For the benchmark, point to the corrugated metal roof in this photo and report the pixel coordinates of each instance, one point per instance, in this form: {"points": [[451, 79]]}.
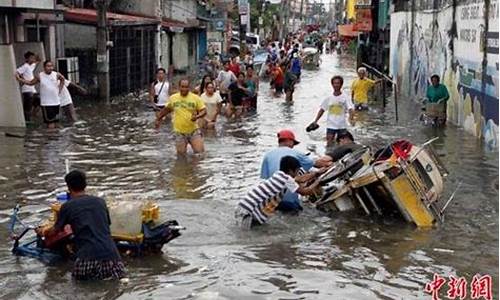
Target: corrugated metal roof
{"points": [[89, 16]]}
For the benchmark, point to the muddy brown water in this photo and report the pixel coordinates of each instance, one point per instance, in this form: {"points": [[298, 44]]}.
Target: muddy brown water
{"points": [[310, 256]]}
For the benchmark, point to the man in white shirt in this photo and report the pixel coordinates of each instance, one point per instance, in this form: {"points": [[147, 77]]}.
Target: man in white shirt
{"points": [[224, 80], [338, 107], [51, 84], [26, 72]]}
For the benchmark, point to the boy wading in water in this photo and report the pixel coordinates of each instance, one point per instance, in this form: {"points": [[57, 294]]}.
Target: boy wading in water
{"points": [[25, 72], [261, 202], [96, 254]]}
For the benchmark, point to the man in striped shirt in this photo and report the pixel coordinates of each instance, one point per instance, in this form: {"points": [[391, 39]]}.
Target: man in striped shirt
{"points": [[260, 203]]}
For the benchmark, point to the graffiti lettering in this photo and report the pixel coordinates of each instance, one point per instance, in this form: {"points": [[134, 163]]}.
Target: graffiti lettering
{"points": [[471, 12], [492, 42], [468, 35], [493, 10]]}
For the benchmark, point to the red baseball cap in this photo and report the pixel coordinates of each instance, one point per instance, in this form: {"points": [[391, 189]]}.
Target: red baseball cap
{"points": [[286, 134]]}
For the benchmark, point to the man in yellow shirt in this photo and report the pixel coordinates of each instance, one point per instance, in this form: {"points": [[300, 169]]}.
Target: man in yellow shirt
{"points": [[360, 88], [187, 108]]}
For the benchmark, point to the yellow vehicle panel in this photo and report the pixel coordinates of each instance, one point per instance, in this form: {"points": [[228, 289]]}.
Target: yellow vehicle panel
{"points": [[128, 238], [408, 199]]}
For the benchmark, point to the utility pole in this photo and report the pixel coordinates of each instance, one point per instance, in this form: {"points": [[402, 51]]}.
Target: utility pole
{"points": [[102, 50], [301, 12], [283, 19], [243, 19], [243, 37], [287, 16]]}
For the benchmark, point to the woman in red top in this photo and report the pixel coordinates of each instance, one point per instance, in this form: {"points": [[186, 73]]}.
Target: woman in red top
{"points": [[234, 67], [278, 79]]}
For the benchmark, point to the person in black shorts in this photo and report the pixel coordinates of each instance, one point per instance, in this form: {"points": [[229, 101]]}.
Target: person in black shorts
{"points": [[238, 92], [51, 84]]}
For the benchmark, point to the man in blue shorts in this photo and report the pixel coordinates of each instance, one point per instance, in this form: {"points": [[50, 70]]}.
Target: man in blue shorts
{"points": [[271, 164]]}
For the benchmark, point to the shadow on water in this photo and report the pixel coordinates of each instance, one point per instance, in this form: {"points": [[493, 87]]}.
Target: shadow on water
{"points": [[309, 256]]}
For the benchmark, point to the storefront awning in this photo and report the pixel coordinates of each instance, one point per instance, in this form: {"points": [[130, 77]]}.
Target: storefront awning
{"points": [[89, 16], [179, 26], [347, 30]]}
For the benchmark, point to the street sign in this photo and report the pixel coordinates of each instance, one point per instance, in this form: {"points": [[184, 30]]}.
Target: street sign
{"points": [[244, 19], [176, 29], [219, 25], [243, 6], [363, 20]]}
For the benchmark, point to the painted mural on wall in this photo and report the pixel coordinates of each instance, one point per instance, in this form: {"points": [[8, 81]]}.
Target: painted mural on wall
{"points": [[457, 56], [428, 53]]}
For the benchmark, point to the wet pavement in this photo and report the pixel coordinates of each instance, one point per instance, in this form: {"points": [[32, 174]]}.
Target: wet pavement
{"points": [[310, 256]]}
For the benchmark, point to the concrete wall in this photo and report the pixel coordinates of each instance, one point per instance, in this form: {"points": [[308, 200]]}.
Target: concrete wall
{"points": [[38, 4], [11, 112], [164, 50], [143, 7], [459, 43], [86, 36], [180, 10], [180, 51]]}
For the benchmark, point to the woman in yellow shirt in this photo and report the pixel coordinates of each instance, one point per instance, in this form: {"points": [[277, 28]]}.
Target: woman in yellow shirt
{"points": [[187, 108]]}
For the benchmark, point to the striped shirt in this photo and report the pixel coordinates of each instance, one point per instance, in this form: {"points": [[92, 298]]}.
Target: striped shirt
{"points": [[263, 199]]}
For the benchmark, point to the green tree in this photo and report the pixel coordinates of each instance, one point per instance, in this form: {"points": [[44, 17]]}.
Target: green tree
{"points": [[258, 8]]}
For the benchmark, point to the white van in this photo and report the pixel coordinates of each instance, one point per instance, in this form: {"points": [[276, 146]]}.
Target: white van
{"points": [[252, 39]]}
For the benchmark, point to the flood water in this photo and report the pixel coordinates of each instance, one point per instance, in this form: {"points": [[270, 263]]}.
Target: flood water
{"points": [[310, 256]]}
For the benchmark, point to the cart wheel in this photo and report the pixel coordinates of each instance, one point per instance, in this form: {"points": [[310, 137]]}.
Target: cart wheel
{"points": [[349, 163]]}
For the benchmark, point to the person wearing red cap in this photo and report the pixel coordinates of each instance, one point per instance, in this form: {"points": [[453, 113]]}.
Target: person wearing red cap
{"points": [[271, 164]]}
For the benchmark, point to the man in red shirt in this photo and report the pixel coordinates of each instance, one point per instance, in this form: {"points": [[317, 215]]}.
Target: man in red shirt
{"points": [[234, 66]]}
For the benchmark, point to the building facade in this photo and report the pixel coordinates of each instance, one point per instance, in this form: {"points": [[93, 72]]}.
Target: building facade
{"points": [[132, 56], [145, 35], [457, 40], [25, 26]]}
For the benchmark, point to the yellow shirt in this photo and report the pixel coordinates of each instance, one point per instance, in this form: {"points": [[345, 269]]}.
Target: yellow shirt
{"points": [[183, 109], [351, 9], [360, 88]]}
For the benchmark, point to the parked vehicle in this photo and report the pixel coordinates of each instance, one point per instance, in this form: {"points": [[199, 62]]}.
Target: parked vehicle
{"points": [[259, 61], [252, 40], [311, 58]]}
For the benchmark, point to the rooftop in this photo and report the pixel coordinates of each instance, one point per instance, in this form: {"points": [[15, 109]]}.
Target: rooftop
{"points": [[89, 16]]}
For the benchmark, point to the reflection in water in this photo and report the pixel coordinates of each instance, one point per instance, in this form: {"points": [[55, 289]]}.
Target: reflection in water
{"points": [[309, 256], [186, 180]]}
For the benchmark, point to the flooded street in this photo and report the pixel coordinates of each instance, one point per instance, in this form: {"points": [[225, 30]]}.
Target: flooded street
{"points": [[310, 256]]}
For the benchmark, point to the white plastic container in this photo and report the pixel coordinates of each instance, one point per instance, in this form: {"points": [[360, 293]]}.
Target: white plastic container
{"points": [[126, 217]]}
